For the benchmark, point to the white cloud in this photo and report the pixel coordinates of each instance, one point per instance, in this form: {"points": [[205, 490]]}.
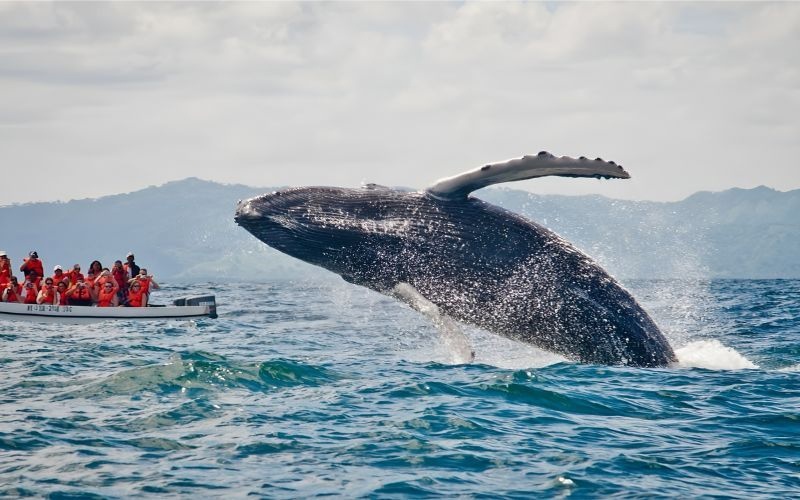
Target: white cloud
{"points": [[687, 96]]}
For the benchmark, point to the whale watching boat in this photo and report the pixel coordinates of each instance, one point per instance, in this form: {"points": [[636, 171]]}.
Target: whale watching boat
{"points": [[183, 308]]}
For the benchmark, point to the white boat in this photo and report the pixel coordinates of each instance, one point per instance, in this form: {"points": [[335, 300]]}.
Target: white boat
{"points": [[183, 308]]}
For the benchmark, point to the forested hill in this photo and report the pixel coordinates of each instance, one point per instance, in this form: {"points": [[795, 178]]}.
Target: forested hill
{"points": [[184, 230]]}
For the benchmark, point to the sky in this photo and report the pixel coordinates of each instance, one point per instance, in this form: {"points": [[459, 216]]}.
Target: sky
{"points": [[103, 98]]}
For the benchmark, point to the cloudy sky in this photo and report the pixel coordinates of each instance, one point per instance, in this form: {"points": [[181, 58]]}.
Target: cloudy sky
{"points": [[107, 98]]}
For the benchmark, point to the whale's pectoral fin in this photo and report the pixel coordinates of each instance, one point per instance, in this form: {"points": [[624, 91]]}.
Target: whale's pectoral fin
{"points": [[527, 167], [452, 335]]}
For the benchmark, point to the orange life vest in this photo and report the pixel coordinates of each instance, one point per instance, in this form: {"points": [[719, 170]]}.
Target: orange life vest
{"points": [[104, 298], [145, 283], [73, 276], [31, 264], [5, 273], [81, 293], [30, 295], [62, 299], [48, 294], [135, 299], [13, 293]]}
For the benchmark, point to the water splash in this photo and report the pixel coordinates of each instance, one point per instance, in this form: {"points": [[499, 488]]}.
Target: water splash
{"points": [[713, 355]]}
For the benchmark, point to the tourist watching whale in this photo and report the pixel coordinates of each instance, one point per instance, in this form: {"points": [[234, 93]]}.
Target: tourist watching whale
{"points": [[58, 275], [12, 292], [107, 294], [48, 294], [121, 277], [61, 288], [137, 297], [75, 274], [32, 263], [79, 294], [5, 269], [30, 289], [147, 281]]}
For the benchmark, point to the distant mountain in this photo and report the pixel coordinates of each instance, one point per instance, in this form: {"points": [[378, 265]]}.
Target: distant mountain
{"points": [[184, 231]]}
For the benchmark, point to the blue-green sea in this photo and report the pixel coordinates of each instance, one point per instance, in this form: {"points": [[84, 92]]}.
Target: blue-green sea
{"points": [[321, 388]]}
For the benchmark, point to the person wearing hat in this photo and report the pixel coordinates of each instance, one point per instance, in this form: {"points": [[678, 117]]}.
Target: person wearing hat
{"points": [[32, 263], [130, 266], [58, 275], [5, 269]]}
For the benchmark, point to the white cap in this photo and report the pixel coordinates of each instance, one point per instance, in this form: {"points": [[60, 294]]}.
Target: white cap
{"points": [[130, 254], [3, 253], [57, 268]]}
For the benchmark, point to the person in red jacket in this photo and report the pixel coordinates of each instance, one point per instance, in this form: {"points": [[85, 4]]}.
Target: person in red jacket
{"points": [[137, 297], [29, 291], [79, 294], [5, 269], [107, 295], [75, 274], [12, 292], [32, 263], [59, 275], [48, 294], [61, 288]]}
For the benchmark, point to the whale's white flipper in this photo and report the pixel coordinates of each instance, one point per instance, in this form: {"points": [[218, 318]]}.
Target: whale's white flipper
{"points": [[452, 335], [527, 167]]}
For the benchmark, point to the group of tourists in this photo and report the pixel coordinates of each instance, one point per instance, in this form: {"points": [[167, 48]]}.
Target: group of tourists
{"points": [[125, 284]]}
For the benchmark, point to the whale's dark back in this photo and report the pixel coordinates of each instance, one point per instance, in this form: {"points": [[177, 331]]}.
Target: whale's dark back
{"points": [[479, 263]]}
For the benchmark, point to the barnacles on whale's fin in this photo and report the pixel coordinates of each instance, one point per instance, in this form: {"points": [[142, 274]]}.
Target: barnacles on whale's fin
{"points": [[527, 167]]}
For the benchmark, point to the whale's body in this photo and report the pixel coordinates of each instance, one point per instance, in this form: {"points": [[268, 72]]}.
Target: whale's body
{"points": [[478, 263]]}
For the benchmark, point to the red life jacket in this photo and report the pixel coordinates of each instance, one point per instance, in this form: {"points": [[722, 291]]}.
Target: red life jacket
{"points": [[104, 298], [121, 277], [58, 279], [74, 276], [31, 264], [81, 293], [30, 294], [5, 274], [145, 283], [135, 299], [13, 293], [49, 294], [62, 299]]}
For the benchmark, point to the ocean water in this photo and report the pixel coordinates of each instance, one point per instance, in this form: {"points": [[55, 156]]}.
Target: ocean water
{"points": [[301, 389]]}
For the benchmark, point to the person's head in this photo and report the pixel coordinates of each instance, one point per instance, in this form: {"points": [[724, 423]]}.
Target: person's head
{"points": [[76, 267], [108, 287], [95, 266], [3, 255], [14, 281], [48, 282], [57, 270], [33, 254], [117, 263], [129, 257], [136, 285], [143, 272], [62, 286], [80, 283]]}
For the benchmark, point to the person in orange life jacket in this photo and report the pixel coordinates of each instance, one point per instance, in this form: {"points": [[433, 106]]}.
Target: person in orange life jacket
{"points": [[121, 277], [12, 292], [48, 293], [79, 294], [103, 279], [75, 274], [32, 263], [130, 266], [58, 275], [107, 295], [95, 268], [147, 281], [35, 278], [137, 297], [61, 288], [5, 269], [29, 290]]}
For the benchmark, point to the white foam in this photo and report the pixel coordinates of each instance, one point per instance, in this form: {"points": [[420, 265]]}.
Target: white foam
{"points": [[713, 355]]}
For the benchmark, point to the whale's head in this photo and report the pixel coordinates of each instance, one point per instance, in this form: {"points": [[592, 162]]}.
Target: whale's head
{"points": [[347, 231]]}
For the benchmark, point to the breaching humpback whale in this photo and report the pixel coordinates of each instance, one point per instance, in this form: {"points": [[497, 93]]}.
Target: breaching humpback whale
{"points": [[478, 263]]}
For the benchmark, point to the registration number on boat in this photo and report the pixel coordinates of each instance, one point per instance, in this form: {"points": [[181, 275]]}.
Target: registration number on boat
{"points": [[42, 308]]}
